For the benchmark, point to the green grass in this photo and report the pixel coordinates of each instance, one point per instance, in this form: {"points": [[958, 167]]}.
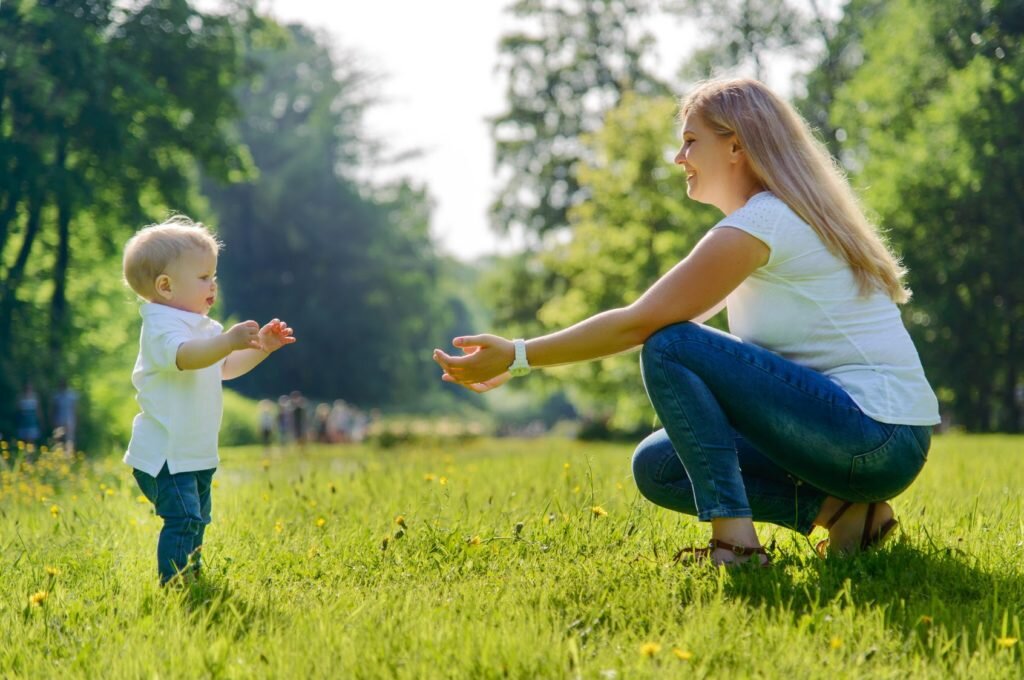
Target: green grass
{"points": [[462, 594]]}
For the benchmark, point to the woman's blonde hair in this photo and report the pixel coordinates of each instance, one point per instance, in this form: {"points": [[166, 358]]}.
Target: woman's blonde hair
{"points": [[791, 163], [148, 254]]}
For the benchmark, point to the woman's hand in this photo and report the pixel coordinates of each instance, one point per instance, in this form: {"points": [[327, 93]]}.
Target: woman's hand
{"points": [[482, 387], [485, 358]]}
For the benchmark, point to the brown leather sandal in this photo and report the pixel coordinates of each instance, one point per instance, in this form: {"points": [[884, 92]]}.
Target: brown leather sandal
{"points": [[868, 539], [701, 554]]}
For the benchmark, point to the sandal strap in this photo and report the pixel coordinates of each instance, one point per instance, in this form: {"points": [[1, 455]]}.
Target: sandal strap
{"points": [[713, 544], [865, 537], [738, 550], [838, 513]]}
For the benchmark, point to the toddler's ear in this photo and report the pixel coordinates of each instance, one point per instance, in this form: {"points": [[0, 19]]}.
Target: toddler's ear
{"points": [[162, 285]]}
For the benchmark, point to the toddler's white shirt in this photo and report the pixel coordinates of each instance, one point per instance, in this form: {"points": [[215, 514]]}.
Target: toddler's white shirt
{"points": [[181, 410], [804, 305]]}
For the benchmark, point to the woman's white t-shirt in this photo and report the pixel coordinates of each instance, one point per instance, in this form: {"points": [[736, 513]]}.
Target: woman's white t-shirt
{"points": [[804, 304]]}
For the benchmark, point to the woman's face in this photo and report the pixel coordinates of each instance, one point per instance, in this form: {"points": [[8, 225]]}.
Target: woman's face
{"points": [[710, 162]]}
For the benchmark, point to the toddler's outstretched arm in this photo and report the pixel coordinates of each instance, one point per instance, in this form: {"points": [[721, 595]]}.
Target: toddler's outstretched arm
{"points": [[270, 338], [200, 353]]}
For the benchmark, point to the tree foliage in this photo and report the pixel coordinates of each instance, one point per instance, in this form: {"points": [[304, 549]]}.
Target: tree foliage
{"points": [[936, 135], [104, 111], [351, 267]]}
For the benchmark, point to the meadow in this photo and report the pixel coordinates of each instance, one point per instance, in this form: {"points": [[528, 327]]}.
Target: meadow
{"points": [[496, 558]]}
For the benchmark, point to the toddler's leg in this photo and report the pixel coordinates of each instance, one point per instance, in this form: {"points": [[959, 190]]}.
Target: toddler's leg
{"points": [[178, 505], [204, 480]]}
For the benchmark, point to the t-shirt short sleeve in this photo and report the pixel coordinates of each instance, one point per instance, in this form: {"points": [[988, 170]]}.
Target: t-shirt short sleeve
{"points": [[759, 218], [162, 337]]}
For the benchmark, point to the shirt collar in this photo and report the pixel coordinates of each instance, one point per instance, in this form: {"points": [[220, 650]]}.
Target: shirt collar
{"points": [[155, 309]]}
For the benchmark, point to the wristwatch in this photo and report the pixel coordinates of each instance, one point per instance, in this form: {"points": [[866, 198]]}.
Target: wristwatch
{"points": [[520, 366]]}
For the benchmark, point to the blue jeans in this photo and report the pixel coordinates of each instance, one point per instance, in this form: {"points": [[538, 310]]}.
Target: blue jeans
{"points": [[750, 434], [183, 502]]}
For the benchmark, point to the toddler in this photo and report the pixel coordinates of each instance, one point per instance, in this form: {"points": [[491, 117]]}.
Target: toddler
{"points": [[183, 357]]}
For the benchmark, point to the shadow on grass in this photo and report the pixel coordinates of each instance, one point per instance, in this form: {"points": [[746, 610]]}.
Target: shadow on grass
{"points": [[215, 605], [916, 589]]}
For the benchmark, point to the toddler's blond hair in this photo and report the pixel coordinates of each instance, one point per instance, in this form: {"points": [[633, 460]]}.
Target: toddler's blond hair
{"points": [[152, 249]]}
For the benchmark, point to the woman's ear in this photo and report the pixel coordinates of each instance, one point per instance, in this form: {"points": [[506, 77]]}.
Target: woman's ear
{"points": [[162, 285]]}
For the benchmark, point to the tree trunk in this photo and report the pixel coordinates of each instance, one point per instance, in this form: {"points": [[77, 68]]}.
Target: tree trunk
{"points": [[58, 303], [12, 279]]}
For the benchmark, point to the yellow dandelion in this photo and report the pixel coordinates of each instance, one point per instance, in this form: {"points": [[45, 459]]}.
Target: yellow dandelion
{"points": [[565, 466], [649, 649], [110, 492], [133, 522], [682, 654], [599, 511], [474, 541], [1005, 642], [442, 481], [37, 599], [321, 522], [278, 526], [216, 484], [266, 498], [54, 510], [53, 571], [429, 477], [835, 643], [141, 498], [576, 489], [400, 521]]}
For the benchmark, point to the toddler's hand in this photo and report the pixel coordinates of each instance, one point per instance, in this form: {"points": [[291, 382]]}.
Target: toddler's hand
{"points": [[275, 335], [244, 335]]}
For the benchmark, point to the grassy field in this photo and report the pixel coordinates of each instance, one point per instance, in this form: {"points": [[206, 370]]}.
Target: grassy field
{"points": [[497, 558]]}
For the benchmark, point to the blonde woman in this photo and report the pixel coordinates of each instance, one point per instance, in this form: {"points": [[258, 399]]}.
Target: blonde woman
{"points": [[815, 410]]}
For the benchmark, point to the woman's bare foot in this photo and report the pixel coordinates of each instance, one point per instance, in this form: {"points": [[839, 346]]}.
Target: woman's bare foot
{"points": [[735, 531], [846, 534]]}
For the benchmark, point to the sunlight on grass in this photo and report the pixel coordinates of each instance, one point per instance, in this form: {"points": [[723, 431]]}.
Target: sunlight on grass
{"points": [[495, 558]]}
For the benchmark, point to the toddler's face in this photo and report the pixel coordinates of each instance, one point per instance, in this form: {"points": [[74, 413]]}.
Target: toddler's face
{"points": [[192, 282]]}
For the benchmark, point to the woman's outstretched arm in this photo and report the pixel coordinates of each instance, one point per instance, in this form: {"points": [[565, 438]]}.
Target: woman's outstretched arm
{"points": [[719, 263]]}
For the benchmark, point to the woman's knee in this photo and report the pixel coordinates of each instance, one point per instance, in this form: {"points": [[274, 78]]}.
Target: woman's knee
{"points": [[649, 462], [663, 340]]}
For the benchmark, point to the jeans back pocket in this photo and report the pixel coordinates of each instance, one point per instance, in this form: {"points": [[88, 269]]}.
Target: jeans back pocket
{"points": [[883, 473]]}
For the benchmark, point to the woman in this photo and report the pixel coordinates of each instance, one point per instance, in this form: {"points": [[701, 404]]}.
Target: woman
{"points": [[816, 410]]}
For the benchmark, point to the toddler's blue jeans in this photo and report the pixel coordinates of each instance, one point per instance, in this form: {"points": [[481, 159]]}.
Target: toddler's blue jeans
{"points": [[748, 433], [183, 502]]}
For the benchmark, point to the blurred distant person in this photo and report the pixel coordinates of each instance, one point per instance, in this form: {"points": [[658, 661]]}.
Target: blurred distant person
{"points": [[64, 409], [266, 417], [299, 417], [285, 420], [339, 421], [28, 416], [321, 423]]}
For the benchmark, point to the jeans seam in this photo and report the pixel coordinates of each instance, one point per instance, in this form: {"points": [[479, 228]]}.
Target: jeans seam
{"points": [[701, 513]]}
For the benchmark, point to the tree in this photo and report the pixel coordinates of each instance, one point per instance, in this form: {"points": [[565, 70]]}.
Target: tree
{"points": [[350, 266], [635, 226], [934, 114], [104, 111]]}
